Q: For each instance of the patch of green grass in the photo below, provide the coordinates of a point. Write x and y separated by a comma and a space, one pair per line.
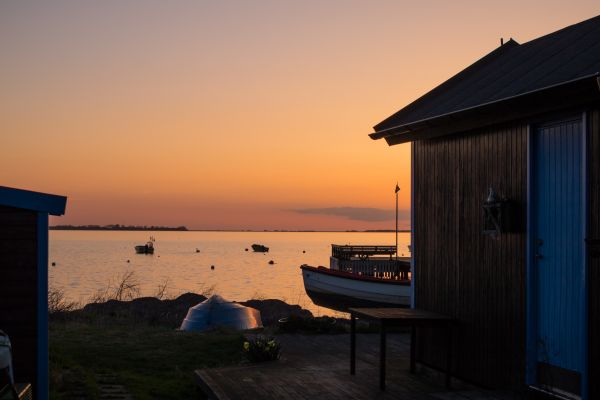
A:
151, 362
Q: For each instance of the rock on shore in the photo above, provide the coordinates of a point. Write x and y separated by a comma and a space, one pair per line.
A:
272, 310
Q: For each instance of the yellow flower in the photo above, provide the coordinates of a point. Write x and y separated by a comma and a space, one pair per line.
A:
246, 346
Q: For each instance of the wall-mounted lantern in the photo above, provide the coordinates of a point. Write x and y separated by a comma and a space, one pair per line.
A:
495, 215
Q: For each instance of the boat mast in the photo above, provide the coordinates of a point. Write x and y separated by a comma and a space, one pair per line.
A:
396, 191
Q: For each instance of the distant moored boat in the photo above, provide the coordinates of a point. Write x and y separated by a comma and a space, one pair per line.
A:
147, 248
260, 248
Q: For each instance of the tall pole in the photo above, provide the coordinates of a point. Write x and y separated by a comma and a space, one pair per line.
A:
397, 190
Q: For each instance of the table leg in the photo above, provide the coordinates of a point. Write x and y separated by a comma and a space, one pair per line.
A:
352, 344
449, 356
413, 349
382, 347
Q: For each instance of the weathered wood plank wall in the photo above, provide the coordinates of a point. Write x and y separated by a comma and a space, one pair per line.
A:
475, 278
18, 288
594, 263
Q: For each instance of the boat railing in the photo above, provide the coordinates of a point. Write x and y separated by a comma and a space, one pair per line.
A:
361, 251
383, 268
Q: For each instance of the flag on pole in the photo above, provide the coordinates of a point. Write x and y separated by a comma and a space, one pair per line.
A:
397, 188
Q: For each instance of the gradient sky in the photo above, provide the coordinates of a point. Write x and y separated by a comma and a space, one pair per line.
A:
233, 114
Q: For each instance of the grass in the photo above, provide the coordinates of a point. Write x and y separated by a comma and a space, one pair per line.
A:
150, 362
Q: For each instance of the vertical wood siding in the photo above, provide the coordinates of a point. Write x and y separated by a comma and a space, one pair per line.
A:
18, 288
462, 272
594, 263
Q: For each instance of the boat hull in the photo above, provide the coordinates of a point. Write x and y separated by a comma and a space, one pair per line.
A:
144, 250
340, 290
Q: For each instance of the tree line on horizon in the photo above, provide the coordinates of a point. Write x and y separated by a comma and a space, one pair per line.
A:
117, 227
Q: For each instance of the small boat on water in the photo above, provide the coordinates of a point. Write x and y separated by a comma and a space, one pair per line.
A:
147, 248
357, 277
260, 248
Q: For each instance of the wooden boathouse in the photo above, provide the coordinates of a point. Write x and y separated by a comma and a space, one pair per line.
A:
24, 281
506, 213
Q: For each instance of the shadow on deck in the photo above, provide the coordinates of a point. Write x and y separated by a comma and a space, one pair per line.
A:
318, 367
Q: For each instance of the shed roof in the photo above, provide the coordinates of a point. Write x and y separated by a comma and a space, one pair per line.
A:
35, 201
512, 70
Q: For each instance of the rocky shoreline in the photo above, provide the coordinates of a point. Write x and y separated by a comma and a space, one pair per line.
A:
171, 312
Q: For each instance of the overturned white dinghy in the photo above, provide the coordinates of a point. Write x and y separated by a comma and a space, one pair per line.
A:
218, 312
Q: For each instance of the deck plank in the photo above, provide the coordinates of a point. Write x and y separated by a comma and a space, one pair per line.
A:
317, 366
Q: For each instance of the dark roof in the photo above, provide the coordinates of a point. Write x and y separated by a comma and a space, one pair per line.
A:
511, 70
35, 201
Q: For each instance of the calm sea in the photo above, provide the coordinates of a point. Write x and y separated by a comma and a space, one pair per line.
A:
88, 261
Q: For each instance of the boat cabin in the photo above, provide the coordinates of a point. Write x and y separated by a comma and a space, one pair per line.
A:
375, 261
506, 213
363, 252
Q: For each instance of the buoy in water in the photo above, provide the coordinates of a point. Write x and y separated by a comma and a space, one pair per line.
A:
271, 262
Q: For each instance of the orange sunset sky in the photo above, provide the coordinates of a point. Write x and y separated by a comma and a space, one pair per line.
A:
233, 114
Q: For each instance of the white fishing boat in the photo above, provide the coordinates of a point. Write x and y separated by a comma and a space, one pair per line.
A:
357, 277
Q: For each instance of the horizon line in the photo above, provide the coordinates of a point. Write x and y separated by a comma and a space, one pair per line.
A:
53, 227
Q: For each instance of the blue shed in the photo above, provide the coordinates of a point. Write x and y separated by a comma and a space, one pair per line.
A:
506, 213
24, 280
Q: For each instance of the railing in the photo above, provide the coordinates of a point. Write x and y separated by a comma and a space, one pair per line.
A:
383, 268
361, 251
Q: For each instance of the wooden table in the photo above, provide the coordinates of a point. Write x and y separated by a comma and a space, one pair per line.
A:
398, 317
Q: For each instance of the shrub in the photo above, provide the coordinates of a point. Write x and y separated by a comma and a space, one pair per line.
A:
58, 303
261, 349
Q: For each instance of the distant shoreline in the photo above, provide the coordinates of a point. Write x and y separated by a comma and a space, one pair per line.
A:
184, 229
116, 227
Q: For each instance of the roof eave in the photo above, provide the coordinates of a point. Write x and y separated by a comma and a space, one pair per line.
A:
34, 201
586, 88
491, 57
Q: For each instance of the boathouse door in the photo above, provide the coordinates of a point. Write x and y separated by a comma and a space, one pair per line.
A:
557, 262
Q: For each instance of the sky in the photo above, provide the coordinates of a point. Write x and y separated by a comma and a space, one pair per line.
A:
233, 114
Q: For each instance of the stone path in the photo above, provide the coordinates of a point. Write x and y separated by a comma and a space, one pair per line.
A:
110, 389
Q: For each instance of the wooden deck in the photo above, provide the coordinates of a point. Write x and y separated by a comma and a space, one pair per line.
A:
318, 367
